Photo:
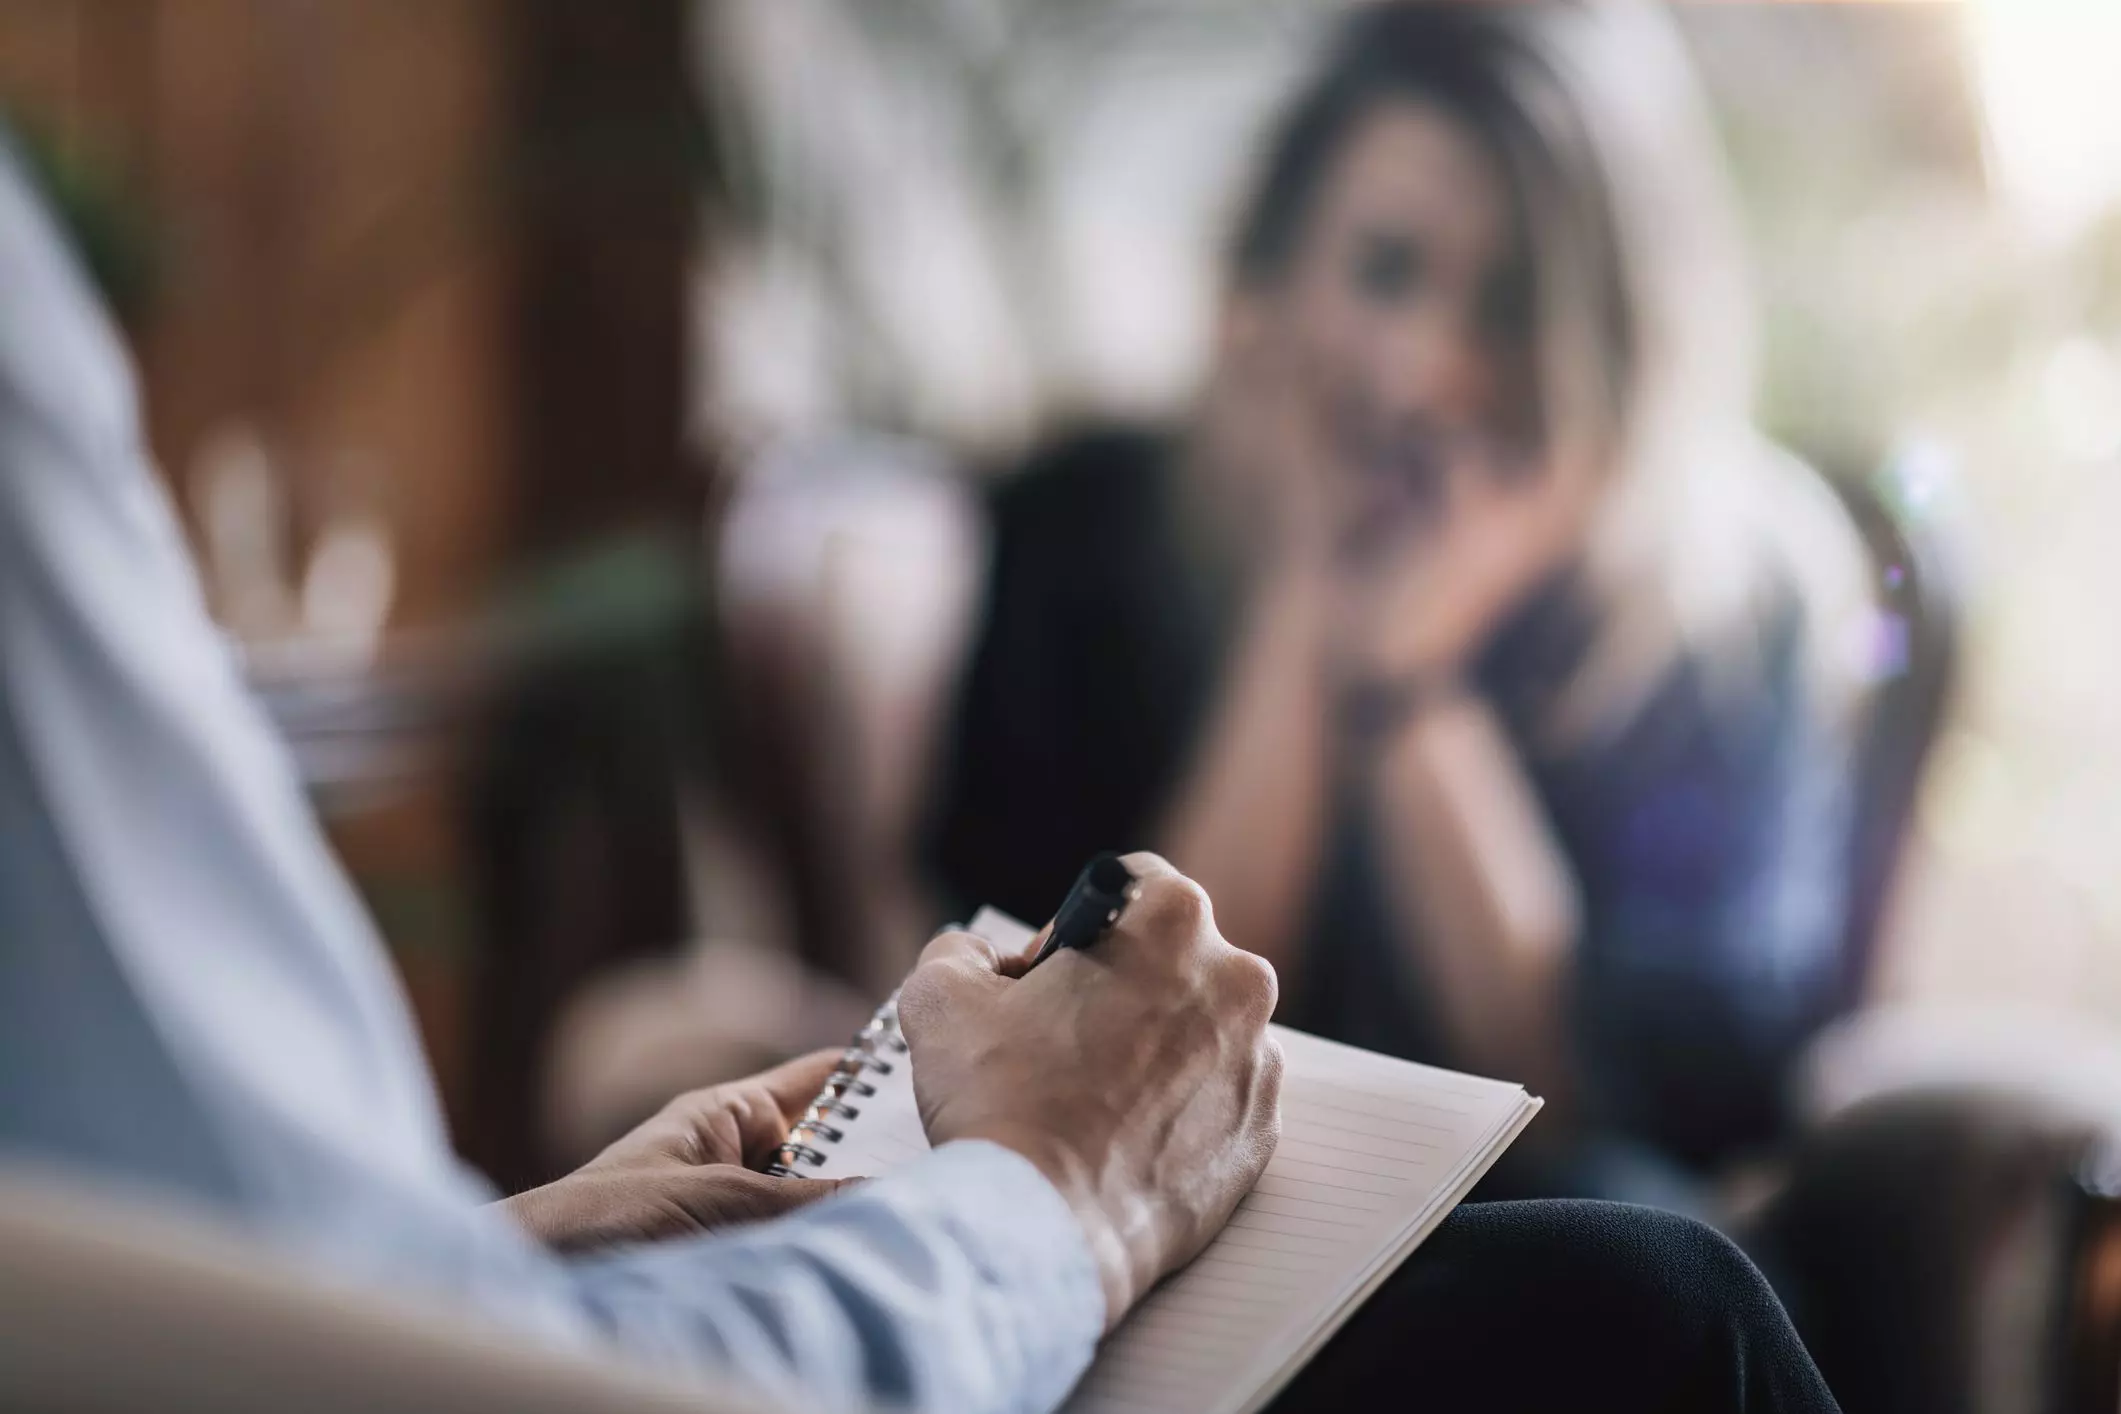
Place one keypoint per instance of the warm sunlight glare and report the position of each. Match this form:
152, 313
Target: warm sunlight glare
2053, 104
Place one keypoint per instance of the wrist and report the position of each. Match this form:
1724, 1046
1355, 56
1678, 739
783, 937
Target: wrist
1291, 623
1121, 1244
1375, 711
545, 1212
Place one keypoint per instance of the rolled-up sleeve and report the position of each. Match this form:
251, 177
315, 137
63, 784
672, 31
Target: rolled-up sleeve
962, 1282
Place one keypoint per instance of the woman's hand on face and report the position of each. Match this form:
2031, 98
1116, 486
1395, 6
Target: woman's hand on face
1425, 601
1434, 598
1266, 452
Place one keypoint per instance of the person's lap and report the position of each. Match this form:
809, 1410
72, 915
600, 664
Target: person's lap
1571, 1305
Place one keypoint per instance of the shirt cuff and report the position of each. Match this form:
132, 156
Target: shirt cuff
1017, 1229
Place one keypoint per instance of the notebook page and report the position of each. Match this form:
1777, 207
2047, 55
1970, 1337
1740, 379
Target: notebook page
885, 1131
1373, 1153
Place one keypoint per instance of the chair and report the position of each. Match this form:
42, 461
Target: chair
1914, 578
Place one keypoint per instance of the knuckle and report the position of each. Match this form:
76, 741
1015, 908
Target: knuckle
1266, 1094
941, 981
1144, 864
1272, 1064
1269, 1140
920, 984
1260, 977
1253, 986
1176, 903
922, 997
947, 944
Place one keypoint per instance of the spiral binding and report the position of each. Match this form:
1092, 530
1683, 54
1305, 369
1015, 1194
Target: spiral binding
872, 1051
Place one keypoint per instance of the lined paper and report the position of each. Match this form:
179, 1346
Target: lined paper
885, 1132
1374, 1152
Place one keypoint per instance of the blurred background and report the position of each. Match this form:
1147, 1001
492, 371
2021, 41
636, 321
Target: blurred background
588, 417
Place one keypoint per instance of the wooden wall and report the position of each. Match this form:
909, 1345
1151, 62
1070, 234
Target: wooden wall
434, 255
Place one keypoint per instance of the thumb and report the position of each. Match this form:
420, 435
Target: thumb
956, 968
959, 948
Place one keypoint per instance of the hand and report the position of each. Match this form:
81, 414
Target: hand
1137, 1075
689, 1169
1267, 470
1439, 596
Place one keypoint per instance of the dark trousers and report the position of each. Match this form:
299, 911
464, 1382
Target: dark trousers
1566, 1305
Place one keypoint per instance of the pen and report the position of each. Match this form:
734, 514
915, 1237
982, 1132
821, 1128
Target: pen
1100, 894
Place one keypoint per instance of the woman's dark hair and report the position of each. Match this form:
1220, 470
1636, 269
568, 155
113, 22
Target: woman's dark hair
1480, 64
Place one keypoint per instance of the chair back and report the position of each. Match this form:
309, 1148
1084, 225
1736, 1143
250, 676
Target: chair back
1916, 648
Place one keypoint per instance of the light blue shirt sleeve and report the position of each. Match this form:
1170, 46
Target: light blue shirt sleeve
192, 1002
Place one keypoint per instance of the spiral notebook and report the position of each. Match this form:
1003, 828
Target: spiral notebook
1374, 1152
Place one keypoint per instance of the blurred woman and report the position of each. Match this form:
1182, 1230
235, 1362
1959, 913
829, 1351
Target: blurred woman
1470, 645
